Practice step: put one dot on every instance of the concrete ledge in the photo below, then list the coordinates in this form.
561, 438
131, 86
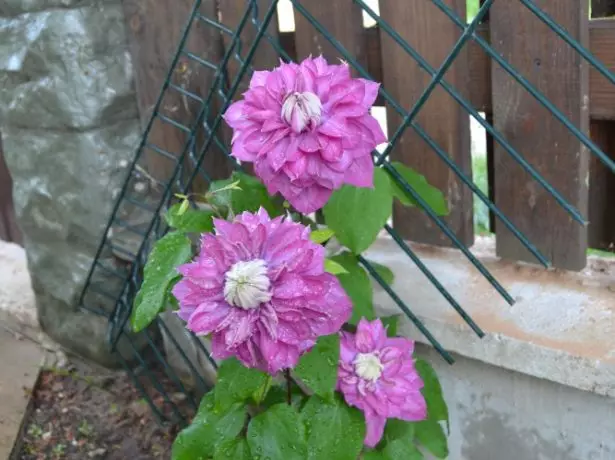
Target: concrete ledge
561, 328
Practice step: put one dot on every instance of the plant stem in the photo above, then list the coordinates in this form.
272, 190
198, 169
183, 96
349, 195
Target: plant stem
289, 382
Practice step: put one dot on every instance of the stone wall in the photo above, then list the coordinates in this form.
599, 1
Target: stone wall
69, 122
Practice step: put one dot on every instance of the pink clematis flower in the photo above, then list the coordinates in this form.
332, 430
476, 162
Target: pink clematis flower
376, 374
258, 286
308, 130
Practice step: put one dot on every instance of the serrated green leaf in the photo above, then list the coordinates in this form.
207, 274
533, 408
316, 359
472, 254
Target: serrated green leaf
334, 268
357, 285
278, 433
237, 383
168, 253
437, 409
233, 449
191, 220
390, 323
335, 431
318, 368
321, 235
248, 195
430, 435
385, 272
431, 195
357, 215
208, 430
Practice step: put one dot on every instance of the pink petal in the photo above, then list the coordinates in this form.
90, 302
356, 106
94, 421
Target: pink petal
311, 199
361, 173
259, 78
333, 127
207, 317
375, 428
371, 93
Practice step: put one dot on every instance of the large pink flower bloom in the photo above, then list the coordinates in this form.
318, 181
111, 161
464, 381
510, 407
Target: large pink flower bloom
376, 374
307, 129
258, 286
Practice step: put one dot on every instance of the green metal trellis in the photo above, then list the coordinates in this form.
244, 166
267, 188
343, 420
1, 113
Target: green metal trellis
204, 136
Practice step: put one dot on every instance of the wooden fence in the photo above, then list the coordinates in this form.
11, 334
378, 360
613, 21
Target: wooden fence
586, 98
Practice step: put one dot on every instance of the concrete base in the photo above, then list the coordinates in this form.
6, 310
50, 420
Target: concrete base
21, 360
497, 414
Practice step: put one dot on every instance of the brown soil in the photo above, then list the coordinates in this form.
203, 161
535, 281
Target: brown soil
88, 413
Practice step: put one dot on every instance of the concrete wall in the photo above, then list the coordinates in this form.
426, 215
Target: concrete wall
541, 384
497, 414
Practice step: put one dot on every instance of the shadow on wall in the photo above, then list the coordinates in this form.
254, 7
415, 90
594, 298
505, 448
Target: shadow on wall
9, 231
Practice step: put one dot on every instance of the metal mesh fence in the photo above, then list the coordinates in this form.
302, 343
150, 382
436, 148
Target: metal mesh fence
157, 172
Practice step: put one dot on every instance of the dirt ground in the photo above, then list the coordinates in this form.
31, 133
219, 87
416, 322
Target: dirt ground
87, 413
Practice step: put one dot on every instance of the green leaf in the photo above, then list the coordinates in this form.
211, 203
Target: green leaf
335, 431
321, 235
318, 368
183, 207
357, 215
209, 429
390, 322
397, 442
398, 429
248, 195
278, 394
432, 196
385, 272
168, 253
191, 220
233, 449
278, 433
401, 448
237, 383
431, 435
333, 267
432, 392
357, 285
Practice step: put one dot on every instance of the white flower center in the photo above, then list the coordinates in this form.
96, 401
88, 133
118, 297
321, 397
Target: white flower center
247, 285
302, 110
368, 366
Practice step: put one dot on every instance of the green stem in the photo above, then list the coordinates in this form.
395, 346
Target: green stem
289, 381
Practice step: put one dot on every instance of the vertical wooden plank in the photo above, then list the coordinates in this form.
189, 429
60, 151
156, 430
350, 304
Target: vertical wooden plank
266, 57
433, 35
601, 179
562, 76
9, 231
602, 188
342, 19
154, 30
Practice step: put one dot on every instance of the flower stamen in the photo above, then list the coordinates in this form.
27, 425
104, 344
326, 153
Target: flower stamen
302, 111
247, 284
368, 366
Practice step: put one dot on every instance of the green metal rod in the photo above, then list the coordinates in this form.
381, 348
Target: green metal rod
479, 266
148, 128
563, 33
604, 158
430, 276
436, 78
574, 213
411, 316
